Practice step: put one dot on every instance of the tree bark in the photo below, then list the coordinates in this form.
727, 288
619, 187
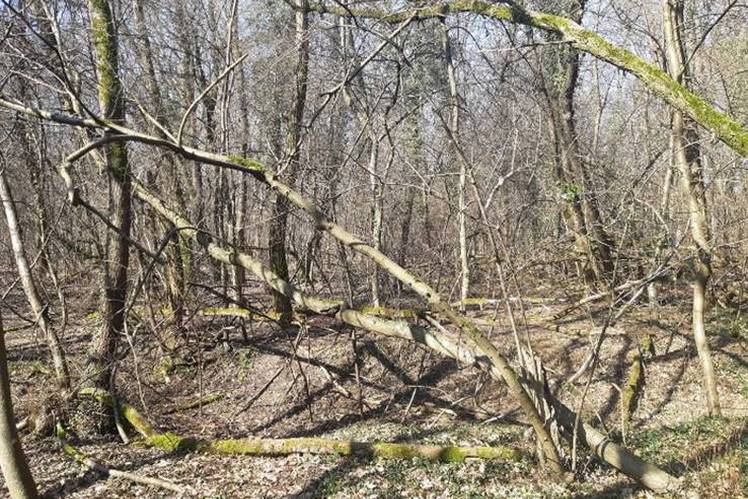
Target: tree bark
279, 224
454, 131
561, 67
689, 161
39, 308
101, 354
16, 470
377, 209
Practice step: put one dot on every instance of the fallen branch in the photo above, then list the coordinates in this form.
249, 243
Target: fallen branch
648, 474
171, 442
199, 402
244, 313
85, 460
475, 302
480, 352
599, 296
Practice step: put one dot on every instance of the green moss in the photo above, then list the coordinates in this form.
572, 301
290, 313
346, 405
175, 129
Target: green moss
394, 451
171, 442
658, 81
232, 447
504, 453
118, 160
132, 416
239, 312
558, 24
105, 46
453, 455
249, 164
727, 129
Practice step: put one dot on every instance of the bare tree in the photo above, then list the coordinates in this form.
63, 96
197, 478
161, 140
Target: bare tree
688, 158
41, 312
102, 352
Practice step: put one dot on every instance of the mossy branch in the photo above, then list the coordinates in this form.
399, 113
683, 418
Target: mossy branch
172, 442
319, 445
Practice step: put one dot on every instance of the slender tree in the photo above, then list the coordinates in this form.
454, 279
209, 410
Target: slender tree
40, 309
560, 71
688, 158
454, 133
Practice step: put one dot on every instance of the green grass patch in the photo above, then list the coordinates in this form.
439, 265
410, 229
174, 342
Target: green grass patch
691, 446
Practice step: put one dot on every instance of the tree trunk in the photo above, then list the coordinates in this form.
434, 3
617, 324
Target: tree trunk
377, 209
16, 471
101, 354
454, 130
279, 223
29, 286
583, 213
689, 162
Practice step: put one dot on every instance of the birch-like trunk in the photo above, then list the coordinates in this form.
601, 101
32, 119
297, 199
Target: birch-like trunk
377, 209
689, 162
454, 130
29, 286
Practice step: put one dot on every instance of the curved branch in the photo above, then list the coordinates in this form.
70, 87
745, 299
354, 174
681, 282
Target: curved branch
729, 131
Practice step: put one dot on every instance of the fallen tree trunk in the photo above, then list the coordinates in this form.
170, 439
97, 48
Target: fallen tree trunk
648, 474
241, 312
199, 402
329, 307
482, 352
171, 442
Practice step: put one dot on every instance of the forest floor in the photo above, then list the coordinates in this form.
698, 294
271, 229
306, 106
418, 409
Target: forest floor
401, 393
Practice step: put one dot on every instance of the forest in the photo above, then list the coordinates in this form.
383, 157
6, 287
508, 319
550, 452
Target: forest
373, 248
